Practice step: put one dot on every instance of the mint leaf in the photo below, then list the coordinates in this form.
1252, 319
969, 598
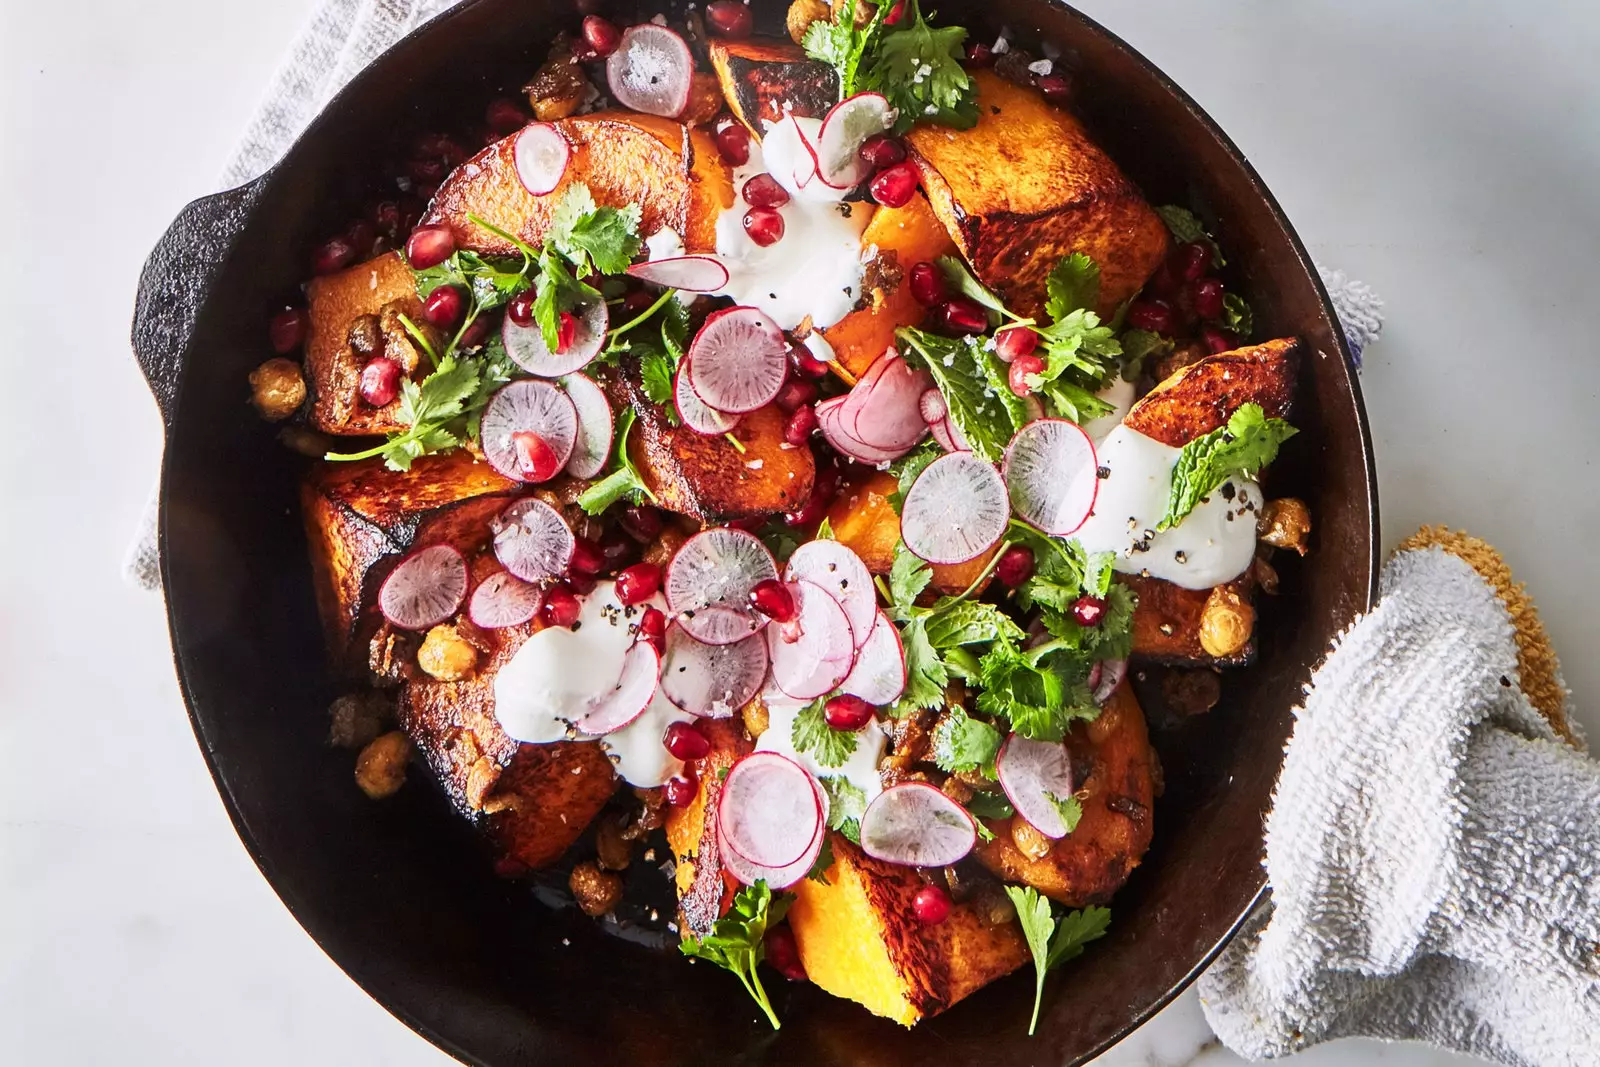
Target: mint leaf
959, 278
813, 736
964, 744
969, 622
907, 467
978, 410
737, 941
1185, 226
1138, 346
1240, 449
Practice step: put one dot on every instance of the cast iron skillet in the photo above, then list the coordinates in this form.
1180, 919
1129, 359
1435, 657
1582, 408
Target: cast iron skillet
400, 893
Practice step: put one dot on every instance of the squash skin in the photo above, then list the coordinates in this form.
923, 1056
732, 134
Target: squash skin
333, 370
1025, 187
764, 78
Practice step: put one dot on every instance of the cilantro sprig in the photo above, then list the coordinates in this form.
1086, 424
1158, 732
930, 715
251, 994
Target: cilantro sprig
1053, 941
916, 66
813, 736
737, 940
1247, 443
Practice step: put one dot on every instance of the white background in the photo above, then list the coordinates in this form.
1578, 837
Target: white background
1445, 151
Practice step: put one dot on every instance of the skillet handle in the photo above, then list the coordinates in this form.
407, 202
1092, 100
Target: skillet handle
176, 281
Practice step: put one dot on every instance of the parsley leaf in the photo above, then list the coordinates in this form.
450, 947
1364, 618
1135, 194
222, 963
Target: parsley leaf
919, 69
602, 240
847, 802
656, 370
1053, 941
1249, 442
964, 744
1069, 807
926, 673
1073, 286
812, 735
978, 410
737, 940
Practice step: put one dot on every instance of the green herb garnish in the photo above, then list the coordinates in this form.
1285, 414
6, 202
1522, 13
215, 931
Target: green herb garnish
846, 804
1240, 449
737, 940
813, 736
1053, 941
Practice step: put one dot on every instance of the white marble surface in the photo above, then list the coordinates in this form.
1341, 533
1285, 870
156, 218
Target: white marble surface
1442, 150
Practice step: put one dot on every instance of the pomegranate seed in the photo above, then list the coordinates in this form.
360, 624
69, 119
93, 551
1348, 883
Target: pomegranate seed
1206, 296
1088, 610
643, 523
638, 302
1165, 282
386, 217
1153, 315
1021, 367
1057, 88
894, 186
505, 115
474, 335
729, 18
287, 330
582, 584
931, 905
927, 285
773, 599
601, 35
586, 557
429, 246
536, 460
361, 235
520, 309
510, 867
980, 55
334, 256
795, 394
764, 191
847, 712
638, 583
797, 431
881, 150
653, 626
764, 225
560, 607
566, 331
1015, 566
784, 954
733, 143
807, 364
617, 548
681, 791
896, 13
1190, 260
1218, 340
380, 382
1015, 343
963, 315
749, 524
685, 742
444, 306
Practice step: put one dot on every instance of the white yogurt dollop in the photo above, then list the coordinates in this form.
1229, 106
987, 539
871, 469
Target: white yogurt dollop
1212, 545
860, 769
558, 673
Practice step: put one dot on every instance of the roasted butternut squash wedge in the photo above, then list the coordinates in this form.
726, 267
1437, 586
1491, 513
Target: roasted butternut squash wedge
765, 78
1117, 795
705, 890
672, 171
1025, 187
1166, 623
864, 521
353, 309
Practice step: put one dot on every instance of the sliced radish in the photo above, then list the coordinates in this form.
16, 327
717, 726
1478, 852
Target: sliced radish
879, 674
916, 825
651, 70
1050, 472
593, 445
712, 680
1106, 676
830, 419
425, 588
738, 361
626, 701
785, 876
527, 407
503, 599
767, 810
884, 408
956, 509
525, 344
708, 584
696, 413
941, 434
691, 274
933, 407
532, 540
845, 127
814, 652
541, 152
840, 573
1032, 772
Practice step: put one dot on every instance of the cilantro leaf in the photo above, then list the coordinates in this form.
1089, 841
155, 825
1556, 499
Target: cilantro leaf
847, 802
1074, 285
1038, 692
599, 239
843, 45
1236, 316
1070, 808
1240, 449
919, 69
961, 743
737, 941
1074, 930
1139, 345
908, 577
1053, 941
656, 370
813, 736
926, 673
978, 410
819, 869
987, 805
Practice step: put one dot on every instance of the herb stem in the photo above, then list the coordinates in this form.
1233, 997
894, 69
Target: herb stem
983, 576
421, 339
651, 310
734, 441
529, 253
838, 368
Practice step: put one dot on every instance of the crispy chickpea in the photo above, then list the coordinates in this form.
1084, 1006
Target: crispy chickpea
355, 719
956, 789
277, 389
756, 717
864, 10
613, 850
482, 777
1029, 841
1225, 623
802, 13
1285, 523
666, 546
381, 767
446, 655
560, 86
596, 891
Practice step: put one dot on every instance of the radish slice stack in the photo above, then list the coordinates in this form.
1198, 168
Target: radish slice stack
641, 674
840, 573
956, 509
916, 825
1035, 775
882, 417
541, 153
879, 675
708, 583
592, 447
844, 129
532, 540
503, 599
1050, 473
770, 808
738, 361
425, 588
696, 413
527, 407
712, 681
691, 274
526, 345
814, 652
651, 71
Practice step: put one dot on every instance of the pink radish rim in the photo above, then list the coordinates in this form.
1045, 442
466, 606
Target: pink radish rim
742, 795
1043, 467
830, 564
824, 650
592, 445
882, 655
916, 527
718, 365
532, 540
525, 344
689, 274
855, 173
831, 422
696, 414
502, 600
446, 587
690, 668
1027, 769
537, 175
651, 102
916, 834
636, 685
777, 877
697, 580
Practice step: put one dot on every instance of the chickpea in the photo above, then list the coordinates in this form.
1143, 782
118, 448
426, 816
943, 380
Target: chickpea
1285, 523
956, 789
355, 720
1225, 623
381, 767
666, 546
613, 849
756, 717
864, 10
446, 655
277, 389
482, 777
1029, 841
596, 891
802, 13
